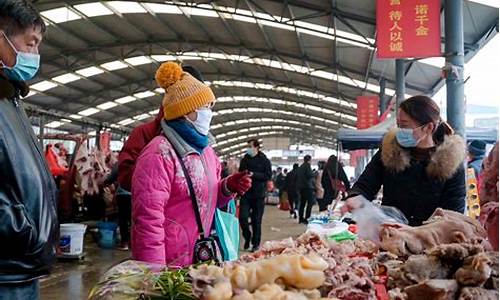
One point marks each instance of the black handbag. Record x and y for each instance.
(205, 248)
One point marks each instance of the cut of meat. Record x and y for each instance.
(436, 289)
(421, 267)
(475, 271)
(443, 227)
(469, 293)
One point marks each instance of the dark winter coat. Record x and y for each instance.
(260, 166)
(331, 191)
(280, 181)
(306, 177)
(291, 182)
(28, 214)
(416, 187)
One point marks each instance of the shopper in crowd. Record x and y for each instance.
(306, 184)
(320, 191)
(488, 195)
(140, 137)
(253, 202)
(419, 165)
(124, 203)
(293, 191)
(334, 181)
(164, 220)
(28, 219)
(476, 151)
(279, 181)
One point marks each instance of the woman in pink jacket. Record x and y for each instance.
(164, 226)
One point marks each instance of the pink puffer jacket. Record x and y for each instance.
(164, 228)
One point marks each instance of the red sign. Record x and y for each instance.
(408, 28)
(367, 111)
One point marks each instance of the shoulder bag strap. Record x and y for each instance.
(192, 193)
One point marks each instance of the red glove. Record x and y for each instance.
(239, 183)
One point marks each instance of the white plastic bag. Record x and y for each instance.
(370, 217)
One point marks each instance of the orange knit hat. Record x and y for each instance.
(183, 92)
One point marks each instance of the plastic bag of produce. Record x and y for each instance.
(369, 217)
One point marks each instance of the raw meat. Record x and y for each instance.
(469, 293)
(435, 289)
(444, 227)
(475, 271)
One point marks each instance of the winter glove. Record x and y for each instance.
(239, 183)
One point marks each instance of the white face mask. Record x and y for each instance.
(203, 120)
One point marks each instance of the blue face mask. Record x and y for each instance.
(405, 137)
(250, 152)
(26, 66)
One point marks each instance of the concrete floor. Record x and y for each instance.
(74, 279)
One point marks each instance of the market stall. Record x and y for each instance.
(446, 258)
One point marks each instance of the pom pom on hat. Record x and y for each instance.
(168, 73)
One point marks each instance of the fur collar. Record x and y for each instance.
(443, 163)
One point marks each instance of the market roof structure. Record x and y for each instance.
(280, 68)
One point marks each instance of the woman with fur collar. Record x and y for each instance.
(420, 164)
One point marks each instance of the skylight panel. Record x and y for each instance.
(114, 65)
(126, 121)
(142, 117)
(77, 117)
(90, 71)
(60, 15)
(162, 58)
(194, 11)
(54, 124)
(144, 94)
(66, 78)
(93, 9)
(88, 111)
(43, 86)
(107, 105)
(163, 8)
(125, 7)
(138, 60)
(125, 99)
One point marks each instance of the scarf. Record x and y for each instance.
(195, 139)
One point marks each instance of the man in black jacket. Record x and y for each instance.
(252, 203)
(306, 184)
(28, 217)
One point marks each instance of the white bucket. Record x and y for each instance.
(71, 238)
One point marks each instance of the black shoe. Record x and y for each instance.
(255, 248)
(246, 247)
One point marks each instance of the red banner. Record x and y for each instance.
(408, 28)
(367, 111)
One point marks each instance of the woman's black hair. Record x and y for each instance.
(18, 15)
(254, 142)
(424, 110)
(331, 167)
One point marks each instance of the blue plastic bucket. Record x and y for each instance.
(107, 234)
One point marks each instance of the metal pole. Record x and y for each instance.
(41, 125)
(381, 96)
(454, 50)
(400, 81)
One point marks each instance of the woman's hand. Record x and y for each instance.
(352, 204)
(239, 182)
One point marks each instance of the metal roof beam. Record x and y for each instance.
(262, 52)
(288, 108)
